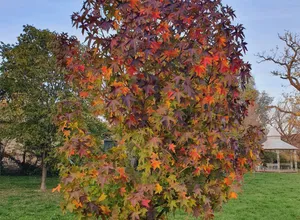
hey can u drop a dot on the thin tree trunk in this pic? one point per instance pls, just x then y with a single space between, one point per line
44 172
1 156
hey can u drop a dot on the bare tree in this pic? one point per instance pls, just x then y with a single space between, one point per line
288 125
289 61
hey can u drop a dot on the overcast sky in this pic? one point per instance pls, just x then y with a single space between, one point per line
263 20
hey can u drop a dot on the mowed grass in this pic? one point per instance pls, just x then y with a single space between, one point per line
20 199
264 196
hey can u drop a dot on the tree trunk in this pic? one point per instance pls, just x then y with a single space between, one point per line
44 172
1 156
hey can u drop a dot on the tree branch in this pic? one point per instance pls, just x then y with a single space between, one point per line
284 111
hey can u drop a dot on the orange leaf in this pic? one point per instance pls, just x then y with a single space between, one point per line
105 210
57 188
172 147
166 36
77 204
222 41
106 72
233 195
200 70
194 154
220 156
232 175
133 3
83 94
69 61
209 100
171 53
242 161
155 164
122 191
67 133
221 90
227 181
97 101
125 90
207 60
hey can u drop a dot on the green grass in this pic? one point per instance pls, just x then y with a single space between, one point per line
265 196
20 199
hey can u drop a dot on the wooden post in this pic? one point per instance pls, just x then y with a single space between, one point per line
278 160
295 160
291 159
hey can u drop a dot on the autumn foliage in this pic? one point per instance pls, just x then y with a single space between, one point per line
167 76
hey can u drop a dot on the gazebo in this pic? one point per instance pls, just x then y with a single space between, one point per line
275 144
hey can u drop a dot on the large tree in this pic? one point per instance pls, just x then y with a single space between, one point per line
33 84
167 75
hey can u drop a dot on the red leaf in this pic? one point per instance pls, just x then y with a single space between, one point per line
145 202
131 70
81 68
207 60
155 15
155 46
200 70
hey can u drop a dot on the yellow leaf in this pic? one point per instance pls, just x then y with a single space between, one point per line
158 188
102 197
251 154
105 210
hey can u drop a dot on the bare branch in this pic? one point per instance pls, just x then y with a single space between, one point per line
285 111
289 59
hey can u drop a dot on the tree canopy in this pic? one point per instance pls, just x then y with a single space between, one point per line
167 75
32 84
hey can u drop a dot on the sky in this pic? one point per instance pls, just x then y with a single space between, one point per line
263 20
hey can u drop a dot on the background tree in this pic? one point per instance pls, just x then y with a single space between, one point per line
258 113
289 62
264 112
167 76
33 84
288 125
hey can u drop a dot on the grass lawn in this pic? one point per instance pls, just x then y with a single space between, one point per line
265 196
20 199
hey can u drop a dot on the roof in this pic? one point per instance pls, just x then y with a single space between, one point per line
274 142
